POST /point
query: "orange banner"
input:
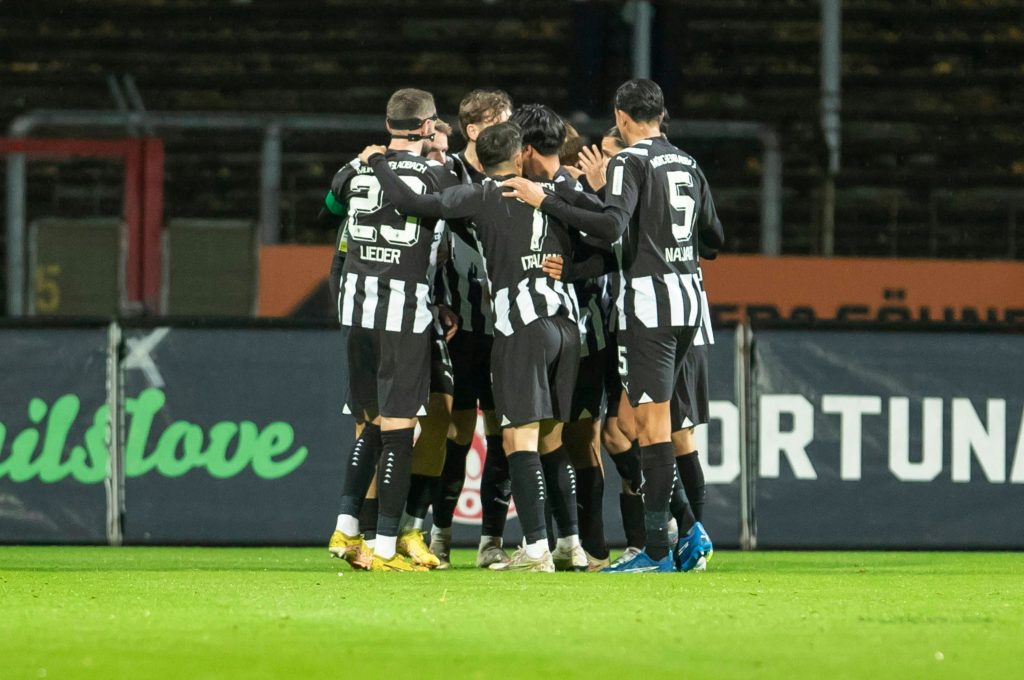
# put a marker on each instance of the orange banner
(739, 286)
(863, 289)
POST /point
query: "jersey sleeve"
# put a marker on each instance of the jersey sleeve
(606, 221)
(334, 208)
(335, 202)
(401, 195)
(589, 262)
(461, 202)
(444, 177)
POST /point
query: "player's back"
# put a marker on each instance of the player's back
(515, 239)
(659, 248)
(385, 281)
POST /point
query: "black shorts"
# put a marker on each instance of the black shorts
(388, 372)
(690, 401)
(588, 395)
(442, 378)
(651, 361)
(612, 379)
(471, 365)
(534, 371)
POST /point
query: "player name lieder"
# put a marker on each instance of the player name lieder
(380, 254)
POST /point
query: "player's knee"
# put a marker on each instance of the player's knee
(683, 440)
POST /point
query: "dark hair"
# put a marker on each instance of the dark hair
(481, 106)
(641, 99)
(542, 128)
(498, 144)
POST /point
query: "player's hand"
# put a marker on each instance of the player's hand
(449, 321)
(575, 172)
(364, 157)
(526, 191)
(552, 266)
(594, 165)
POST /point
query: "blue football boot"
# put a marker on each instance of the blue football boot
(694, 550)
(642, 562)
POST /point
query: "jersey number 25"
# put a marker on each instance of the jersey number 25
(370, 202)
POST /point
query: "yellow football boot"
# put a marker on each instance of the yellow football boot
(395, 563)
(412, 545)
(352, 549)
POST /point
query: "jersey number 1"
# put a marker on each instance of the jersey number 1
(678, 181)
(540, 230)
(370, 202)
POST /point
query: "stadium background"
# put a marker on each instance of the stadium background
(889, 196)
(867, 390)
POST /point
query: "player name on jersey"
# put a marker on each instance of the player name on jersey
(679, 254)
(535, 260)
(380, 254)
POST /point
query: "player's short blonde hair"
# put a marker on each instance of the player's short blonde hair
(442, 127)
(410, 103)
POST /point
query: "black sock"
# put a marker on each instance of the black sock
(528, 491)
(627, 464)
(359, 470)
(692, 475)
(453, 476)
(680, 508)
(589, 503)
(495, 489)
(393, 475)
(368, 519)
(632, 508)
(659, 466)
(421, 492)
(549, 520)
(561, 481)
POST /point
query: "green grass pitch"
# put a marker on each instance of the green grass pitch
(288, 613)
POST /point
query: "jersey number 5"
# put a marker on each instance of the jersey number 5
(682, 205)
(367, 199)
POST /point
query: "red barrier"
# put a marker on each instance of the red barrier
(143, 159)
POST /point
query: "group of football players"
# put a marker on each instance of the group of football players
(553, 286)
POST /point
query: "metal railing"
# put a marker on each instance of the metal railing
(272, 126)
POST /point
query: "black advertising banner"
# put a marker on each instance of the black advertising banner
(718, 443)
(233, 435)
(886, 439)
(53, 430)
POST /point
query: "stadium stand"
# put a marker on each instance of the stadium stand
(933, 149)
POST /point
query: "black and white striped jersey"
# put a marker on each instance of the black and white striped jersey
(658, 201)
(386, 282)
(514, 240)
(593, 295)
(466, 277)
(705, 335)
